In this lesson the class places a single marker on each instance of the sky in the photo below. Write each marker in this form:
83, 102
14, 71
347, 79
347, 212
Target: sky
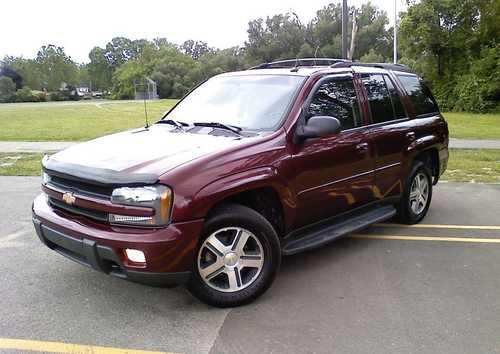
78, 26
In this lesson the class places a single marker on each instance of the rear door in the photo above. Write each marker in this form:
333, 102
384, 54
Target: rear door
335, 173
390, 132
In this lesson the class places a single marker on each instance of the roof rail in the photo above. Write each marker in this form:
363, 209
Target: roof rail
387, 66
293, 63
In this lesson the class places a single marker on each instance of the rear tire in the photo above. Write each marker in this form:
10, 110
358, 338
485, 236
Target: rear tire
238, 257
417, 194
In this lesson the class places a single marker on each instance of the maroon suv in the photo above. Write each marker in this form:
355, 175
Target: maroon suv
248, 167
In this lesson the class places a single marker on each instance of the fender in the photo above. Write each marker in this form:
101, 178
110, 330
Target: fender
227, 186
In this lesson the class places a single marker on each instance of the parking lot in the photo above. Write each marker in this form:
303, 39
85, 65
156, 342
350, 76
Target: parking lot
433, 288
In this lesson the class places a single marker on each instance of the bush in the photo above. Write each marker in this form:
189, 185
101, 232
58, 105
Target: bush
479, 89
59, 96
41, 95
26, 95
7, 89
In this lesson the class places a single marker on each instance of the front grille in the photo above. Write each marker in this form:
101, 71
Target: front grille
81, 187
93, 214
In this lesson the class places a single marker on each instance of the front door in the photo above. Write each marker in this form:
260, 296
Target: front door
333, 174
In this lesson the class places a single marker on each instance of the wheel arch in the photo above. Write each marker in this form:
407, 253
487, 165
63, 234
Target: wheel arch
430, 157
259, 189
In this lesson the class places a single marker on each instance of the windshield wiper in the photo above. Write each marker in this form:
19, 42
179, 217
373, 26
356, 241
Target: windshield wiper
176, 123
231, 128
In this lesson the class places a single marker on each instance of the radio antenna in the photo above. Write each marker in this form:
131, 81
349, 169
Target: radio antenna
146, 113
144, 99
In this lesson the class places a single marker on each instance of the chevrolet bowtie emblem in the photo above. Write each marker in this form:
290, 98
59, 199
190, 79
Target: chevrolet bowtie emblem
69, 198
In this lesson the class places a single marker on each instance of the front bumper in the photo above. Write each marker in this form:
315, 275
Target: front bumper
169, 251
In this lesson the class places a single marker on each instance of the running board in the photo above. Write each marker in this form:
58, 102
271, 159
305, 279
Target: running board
327, 233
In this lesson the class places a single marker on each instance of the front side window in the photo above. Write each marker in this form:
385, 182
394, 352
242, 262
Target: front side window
337, 98
420, 95
251, 102
379, 98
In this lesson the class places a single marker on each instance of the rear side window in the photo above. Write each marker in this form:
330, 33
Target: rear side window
337, 98
419, 93
397, 106
379, 98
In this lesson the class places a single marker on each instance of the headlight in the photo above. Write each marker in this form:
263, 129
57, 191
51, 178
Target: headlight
158, 197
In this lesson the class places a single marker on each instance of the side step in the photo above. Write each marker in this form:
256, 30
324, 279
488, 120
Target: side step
327, 233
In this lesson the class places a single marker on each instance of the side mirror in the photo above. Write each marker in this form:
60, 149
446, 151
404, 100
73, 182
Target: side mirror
317, 127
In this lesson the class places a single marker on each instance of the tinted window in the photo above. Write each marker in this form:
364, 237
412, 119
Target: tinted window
397, 106
379, 98
420, 95
337, 99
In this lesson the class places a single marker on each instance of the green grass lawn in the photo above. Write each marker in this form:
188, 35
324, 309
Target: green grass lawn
473, 126
20, 164
464, 165
473, 166
68, 121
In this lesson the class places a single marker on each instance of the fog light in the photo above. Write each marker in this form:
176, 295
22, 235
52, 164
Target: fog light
135, 256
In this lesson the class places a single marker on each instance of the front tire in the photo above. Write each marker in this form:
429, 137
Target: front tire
238, 257
417, 194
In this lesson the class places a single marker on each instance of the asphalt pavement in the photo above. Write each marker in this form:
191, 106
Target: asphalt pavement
433, 288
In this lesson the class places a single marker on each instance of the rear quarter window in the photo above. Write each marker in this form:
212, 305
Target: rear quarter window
420, 95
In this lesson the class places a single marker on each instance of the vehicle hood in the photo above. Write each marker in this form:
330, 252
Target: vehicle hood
153, 151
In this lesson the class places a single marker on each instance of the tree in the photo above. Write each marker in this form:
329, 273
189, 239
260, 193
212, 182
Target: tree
7, 89
99, 70
195, 49
27, 69
447, 42
278, 37
175, 73
56, 68
118, 51
372, 33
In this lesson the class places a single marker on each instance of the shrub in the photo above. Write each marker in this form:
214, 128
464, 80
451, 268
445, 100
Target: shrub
58, 96
26, 95
479, 89
41, 96
7, 89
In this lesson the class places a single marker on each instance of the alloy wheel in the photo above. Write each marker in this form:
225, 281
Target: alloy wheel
419, 193
230, 259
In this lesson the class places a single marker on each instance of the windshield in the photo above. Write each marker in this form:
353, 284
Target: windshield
252, 102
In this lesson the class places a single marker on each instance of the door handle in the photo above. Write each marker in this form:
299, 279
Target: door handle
410, 136
362, 148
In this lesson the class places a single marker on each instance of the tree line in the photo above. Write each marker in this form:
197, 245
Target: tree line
453, 44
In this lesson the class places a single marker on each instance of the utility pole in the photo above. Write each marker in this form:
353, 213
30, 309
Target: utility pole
345, 16
395, 32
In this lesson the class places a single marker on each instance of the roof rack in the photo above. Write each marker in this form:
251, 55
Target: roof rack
387, 66
293, 63
328, 62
